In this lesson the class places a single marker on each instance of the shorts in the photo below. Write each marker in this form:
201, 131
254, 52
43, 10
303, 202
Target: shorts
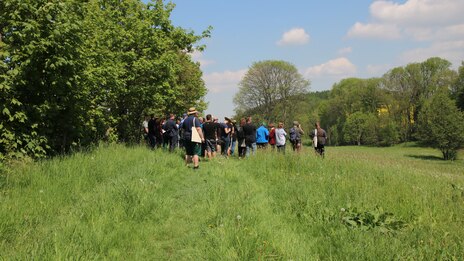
296, 144
211, 145
192, 148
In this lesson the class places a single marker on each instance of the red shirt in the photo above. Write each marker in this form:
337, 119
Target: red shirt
272, 139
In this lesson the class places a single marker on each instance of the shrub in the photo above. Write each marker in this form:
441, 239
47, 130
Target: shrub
441, 126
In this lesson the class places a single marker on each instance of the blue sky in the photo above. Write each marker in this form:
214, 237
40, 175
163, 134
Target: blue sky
326, 40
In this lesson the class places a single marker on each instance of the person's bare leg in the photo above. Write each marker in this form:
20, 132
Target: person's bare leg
195, 161
188, 159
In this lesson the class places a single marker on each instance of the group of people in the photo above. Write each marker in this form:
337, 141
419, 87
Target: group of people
207, 137
160, 132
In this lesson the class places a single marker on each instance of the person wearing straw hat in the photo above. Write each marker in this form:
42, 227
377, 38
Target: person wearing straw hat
192, 146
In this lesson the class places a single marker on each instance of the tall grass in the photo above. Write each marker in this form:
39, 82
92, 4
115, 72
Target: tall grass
122, 203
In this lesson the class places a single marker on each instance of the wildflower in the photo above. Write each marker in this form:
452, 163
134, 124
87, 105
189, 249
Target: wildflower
41, 191
342, 210
239, 217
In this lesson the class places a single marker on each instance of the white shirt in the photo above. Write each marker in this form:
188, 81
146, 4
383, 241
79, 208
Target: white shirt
280, 136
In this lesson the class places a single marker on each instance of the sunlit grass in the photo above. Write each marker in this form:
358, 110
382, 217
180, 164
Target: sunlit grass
132, 203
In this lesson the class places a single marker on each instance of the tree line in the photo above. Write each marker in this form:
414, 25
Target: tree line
421, 102
74, 72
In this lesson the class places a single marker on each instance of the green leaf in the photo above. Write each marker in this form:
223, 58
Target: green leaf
6, 112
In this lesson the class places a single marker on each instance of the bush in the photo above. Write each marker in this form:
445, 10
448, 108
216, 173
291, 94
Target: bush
441, 126
359, 129
388, 132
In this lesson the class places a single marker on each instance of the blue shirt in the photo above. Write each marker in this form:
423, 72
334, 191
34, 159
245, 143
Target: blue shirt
262, 135
187, 126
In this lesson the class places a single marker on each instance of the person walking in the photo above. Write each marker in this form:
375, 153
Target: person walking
272, 139
296, 133
262, 136
203, 145
250, 137
280, 136
241, 139
192, 147
319, 137
145, 129
152, 131
219, 134
226, 131
210, 131
234, 137
181, 131
170, 132
159, 132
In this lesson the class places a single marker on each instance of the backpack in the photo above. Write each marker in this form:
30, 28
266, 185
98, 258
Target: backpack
293, 134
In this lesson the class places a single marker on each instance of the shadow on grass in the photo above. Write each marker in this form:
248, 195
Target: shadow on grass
425, 157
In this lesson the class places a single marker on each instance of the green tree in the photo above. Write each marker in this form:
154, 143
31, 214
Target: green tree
414, 84
396, 83
359, 129
270, 88
144, 59
347, 97
388, 132
442, 125
458, 88
42, 60
73, 71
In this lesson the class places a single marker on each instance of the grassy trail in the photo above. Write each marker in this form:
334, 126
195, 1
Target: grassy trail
130, 203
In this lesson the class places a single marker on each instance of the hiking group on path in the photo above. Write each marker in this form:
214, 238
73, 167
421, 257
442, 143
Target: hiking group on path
207, 137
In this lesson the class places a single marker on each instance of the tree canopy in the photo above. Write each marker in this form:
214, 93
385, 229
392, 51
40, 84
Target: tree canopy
441, 125
377, 111
269, 87
75, 72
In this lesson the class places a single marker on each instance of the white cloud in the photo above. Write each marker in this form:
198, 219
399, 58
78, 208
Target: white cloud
421, 20
296, 36
197, 56
453, 51
337, 67
381, 31
418, 12
345, 50
435, 33
223, 81
436, 23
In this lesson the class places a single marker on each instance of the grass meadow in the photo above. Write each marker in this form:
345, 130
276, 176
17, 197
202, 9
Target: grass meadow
129, 203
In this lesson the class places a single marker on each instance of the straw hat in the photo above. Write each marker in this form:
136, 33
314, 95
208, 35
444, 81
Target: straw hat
192, 110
